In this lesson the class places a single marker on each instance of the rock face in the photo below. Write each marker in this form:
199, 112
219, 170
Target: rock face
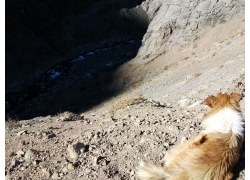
179, 23
38, 35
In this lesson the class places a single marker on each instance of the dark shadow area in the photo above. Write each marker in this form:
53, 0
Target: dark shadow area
241, 165
62, 55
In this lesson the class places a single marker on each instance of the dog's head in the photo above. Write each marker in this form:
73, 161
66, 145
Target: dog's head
222, 100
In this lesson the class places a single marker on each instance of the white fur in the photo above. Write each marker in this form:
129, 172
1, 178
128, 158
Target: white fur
151, 172
225, 121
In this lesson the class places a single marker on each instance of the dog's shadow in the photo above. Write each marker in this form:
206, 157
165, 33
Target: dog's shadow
241, 164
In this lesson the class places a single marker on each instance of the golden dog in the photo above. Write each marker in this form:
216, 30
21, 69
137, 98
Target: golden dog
211, 155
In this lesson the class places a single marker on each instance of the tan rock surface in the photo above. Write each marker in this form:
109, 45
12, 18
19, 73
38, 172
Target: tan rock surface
143, 122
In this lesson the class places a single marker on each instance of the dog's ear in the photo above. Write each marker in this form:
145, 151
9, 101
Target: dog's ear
210, 101
235, 97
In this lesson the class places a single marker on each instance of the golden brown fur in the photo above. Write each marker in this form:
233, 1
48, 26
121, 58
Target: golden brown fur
211, 155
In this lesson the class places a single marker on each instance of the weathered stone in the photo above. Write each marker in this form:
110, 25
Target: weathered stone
73, 152
173, 128
22, 132
119, 124
173, 140
21, 143
166, 144
65, 169
25, 125
183, 102
7, 177
55, 175
70, 166
87, 171
20, 153
104, 162
186, 128
195, 104
36, 162
14, 162
44, 134
44, 164
147, 132
132, 173
66, 116
46, 172
29, 154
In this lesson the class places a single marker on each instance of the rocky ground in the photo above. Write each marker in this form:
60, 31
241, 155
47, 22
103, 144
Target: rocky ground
104, 144
161, 107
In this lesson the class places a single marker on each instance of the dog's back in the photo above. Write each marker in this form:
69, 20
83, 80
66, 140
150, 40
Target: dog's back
207, 157
211, 155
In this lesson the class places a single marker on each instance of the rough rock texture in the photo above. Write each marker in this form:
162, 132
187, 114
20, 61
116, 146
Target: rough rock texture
180, 22
143, 123
97, 115
101, 73
107, 142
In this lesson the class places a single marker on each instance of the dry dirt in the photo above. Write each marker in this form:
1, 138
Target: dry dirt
162, 107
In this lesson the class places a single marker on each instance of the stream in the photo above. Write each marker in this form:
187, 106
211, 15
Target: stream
79, 70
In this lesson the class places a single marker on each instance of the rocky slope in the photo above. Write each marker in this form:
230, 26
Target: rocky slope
98, 123
33, 54
106, 143
109, 140
180, 23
